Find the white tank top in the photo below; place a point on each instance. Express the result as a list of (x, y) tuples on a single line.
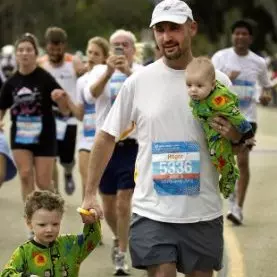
[(65, 75)]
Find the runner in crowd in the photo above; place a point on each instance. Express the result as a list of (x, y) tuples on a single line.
[(97, 53), (117, 184), (177, 219), (7, 63), (7, 166), (65, 68), (245, 69), (30, 95)]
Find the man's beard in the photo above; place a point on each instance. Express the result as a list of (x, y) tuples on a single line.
[(173, 56), (57, 59)]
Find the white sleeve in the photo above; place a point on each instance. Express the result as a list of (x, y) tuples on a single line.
[(121, 114), (93, 76), (216, 60), (223, 78), (263, 77)]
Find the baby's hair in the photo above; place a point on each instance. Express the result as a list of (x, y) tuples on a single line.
[(204, 64), (43, 200)]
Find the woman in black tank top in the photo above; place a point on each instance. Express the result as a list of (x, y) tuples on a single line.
[(30, 95)]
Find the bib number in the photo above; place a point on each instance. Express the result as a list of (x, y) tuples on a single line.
[(176, 168), (245, 91), (116, 83), (61, 126), (28, 129)]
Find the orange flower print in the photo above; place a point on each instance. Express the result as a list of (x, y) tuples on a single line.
[(90, 246), (40, 259), (221, 162), (220, 101)]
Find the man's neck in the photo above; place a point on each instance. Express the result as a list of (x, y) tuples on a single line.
[(241, 51), (181, 63), (59, 64)]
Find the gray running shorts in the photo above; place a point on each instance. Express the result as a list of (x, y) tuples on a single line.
[(192, 246)]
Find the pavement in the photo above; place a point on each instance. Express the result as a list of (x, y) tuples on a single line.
[(251, 249)]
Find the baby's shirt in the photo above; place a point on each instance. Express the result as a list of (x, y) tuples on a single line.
[(62, 258)]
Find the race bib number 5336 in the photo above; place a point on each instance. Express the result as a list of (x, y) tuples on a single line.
[(176, 168)]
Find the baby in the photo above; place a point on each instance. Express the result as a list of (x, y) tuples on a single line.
[(209, 98), (49, 254)]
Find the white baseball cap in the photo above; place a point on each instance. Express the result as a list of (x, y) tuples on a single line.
[(175, 11)]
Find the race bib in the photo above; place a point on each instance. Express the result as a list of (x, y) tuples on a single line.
[(61, 125), (89, 122), (245, 91), (28, 129), (116, 83), (176, 168)]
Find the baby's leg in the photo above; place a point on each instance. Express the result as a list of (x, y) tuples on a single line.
[(223, 158)]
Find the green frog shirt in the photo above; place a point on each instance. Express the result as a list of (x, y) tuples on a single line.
[(62, 258)]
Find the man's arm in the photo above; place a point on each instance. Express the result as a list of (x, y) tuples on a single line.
[(59, 96), (76, 109), (99, 157), (97, 88), (265, 96)]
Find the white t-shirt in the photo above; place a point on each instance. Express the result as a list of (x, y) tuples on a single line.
[(105, 101), (252, 69), (66, 77), (172, 147), (85, 141)]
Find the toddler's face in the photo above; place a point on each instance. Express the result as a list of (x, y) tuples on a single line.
[(45, 225), (199, 85)]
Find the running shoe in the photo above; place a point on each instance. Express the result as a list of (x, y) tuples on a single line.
[(121, 265), (235, 215), (115, 249), (69, 184)]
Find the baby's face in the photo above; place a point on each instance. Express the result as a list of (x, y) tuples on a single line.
[(199, 85), (45, 225)]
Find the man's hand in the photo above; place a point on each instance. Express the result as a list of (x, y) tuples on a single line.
[(58, 95), (91, 204), (246, 146), (225, 128), (265, 97), (123, 65), (111, 63), (233, 75)]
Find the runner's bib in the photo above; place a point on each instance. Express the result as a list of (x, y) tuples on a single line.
[(176, 168), (28, 129), (116, 83), (89, 122), (61, 126), (245, 91)]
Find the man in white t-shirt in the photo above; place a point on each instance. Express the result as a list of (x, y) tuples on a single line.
[(177, 219), (117, 183), (65, 68), (246, 70)]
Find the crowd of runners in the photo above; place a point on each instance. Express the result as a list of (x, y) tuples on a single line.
[(157, 142)]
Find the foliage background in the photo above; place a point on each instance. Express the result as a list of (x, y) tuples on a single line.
[(83, 19)]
